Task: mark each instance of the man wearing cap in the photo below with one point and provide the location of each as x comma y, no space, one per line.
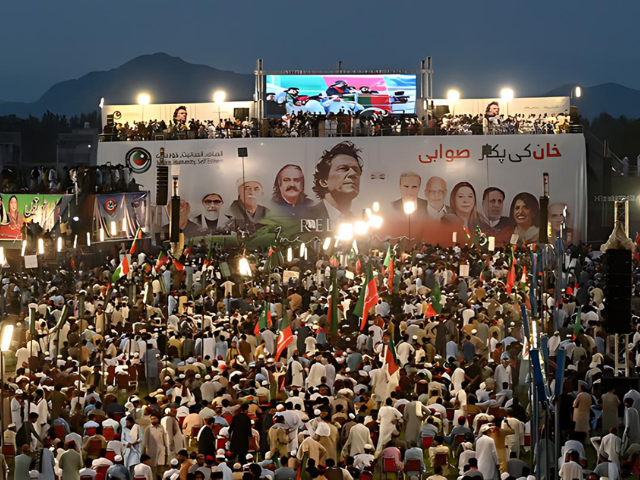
131,440
154,444
19,409
209,219
118,471
487,454
246,212
145,469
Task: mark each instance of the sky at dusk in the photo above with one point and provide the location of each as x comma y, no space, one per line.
477,46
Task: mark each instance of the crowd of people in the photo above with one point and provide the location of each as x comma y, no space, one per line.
305,124
520,123
183,369
79,180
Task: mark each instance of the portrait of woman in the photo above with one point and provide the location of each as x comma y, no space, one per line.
15,217
4,219
525,211
465,214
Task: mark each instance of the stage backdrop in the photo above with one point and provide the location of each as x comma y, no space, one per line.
19,209
458,183
125,211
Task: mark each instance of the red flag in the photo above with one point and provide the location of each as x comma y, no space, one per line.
284,338
73,263
358,267
430,311
371,296
390,358
270,252
511,278
178,265
137,237
523,279
390,282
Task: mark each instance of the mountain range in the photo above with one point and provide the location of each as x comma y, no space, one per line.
173,80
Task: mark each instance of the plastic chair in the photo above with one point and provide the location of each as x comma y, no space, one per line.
94,447
86,477
389,466
60,431
110,455
228,417
427,442
102,469
109,433
91,431
413,466
440,460
9,450
366,475
527,440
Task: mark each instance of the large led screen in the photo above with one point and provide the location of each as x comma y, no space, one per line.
324,94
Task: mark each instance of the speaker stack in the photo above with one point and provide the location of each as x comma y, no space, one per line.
162,185
617,291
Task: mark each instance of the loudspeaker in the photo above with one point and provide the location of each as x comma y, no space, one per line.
162,185
617,291
174,220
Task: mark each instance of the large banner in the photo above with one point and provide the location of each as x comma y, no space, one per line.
457,183
120,214
325,94
19,209
526,107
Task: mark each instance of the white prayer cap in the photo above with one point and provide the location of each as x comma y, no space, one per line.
174,462
368,447
33,473
316,412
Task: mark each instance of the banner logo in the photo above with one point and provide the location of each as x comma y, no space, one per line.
110,206
138,160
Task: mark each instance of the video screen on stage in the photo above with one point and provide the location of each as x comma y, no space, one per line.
325,94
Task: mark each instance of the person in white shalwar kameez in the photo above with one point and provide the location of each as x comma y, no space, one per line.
388,417
611,444
131,439
631,422
514,441
359,436
487,456
316,372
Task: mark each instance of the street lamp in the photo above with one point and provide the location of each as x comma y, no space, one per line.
576,92
143,99
218,98
244,267
507,96
345,231
453,96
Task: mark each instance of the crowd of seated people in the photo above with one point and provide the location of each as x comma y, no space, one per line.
304,124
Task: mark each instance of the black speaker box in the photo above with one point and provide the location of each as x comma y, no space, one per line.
617,291
162,185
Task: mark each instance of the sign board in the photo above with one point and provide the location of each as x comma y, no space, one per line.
30,261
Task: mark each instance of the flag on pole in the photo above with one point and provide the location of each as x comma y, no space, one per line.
466,231
391,359
390,272
163,259
302,468
178,264
387,260
265,319
511,278
370,295
532,288
285,337
333,306
137,237
107,294
122,270
430,312
577,326
479,238
209,257
436,298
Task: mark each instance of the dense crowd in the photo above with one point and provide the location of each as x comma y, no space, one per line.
355,366
519,123
304,124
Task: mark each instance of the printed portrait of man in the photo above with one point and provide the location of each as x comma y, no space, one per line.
492,205
246,210
209,219
336,182
189,228
180,114
410,183
288,191
556,217
435,191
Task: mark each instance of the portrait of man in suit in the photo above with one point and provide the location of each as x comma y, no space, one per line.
336,182
492,204
288,191
410,183
435,191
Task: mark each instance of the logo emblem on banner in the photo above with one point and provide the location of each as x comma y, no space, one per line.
110,206
139,160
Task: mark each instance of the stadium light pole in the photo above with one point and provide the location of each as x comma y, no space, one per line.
453,96
218,98
144,99
507,96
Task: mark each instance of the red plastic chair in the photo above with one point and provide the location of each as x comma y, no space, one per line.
102,469
440,460
427,442
413,466
94,447
389,466
228,417
60,432
366,475
110,455
9,450
91,431
527,440
109,433
221,443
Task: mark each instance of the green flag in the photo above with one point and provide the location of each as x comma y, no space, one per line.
265,319
436,298
577,326
302,468
333,306
387,258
